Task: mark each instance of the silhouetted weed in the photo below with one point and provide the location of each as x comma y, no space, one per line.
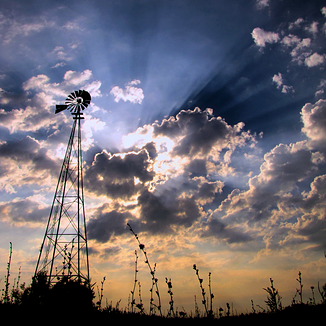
274,299
6,291
171,302
133,302
42,298
154,279
203,293
100,294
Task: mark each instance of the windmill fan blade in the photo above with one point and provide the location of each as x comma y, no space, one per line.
59,108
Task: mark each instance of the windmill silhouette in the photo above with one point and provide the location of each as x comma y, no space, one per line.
64,251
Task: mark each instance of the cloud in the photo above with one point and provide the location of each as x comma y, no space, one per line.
261,4
217,229
312,28
196,133
37,104
94,88
321,88
130,93
300,47
11,28
114,175
24,162
169,177
296,24
27,149
25,212
60,53
35,116
323,11
275,206
278,80
59,64
314,60
162,213
313,117
77,78
104,225
262,37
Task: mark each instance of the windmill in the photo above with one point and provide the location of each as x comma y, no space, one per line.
64,251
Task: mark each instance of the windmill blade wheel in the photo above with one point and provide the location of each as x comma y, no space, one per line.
78,101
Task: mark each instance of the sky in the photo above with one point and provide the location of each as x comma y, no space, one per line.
206,132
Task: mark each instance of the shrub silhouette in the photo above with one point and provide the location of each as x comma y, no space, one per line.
66,293
73,294
37,294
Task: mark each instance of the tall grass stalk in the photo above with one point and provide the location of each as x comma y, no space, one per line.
211,295
299,280
6,294
203,293
274,299
133,302
154,279
171,302
140,305
100,294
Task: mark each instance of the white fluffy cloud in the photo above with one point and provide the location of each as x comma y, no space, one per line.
262,37
312,28
300,47
323,11
315,59
77,78
131,93
314,119
278,80
262,4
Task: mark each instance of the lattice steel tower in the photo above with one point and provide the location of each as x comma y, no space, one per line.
64,251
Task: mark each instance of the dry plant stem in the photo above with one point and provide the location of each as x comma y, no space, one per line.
274,299
140,305
197,312
169,284
299,280
322,293
100,294
135,283
204,302
211,295
6,297
152,272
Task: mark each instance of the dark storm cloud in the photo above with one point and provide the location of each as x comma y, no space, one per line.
104,225
199,132
219,230
197,168
161,213
113,175
24,210
28,150
151,149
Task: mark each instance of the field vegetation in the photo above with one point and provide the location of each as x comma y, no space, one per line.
71,300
